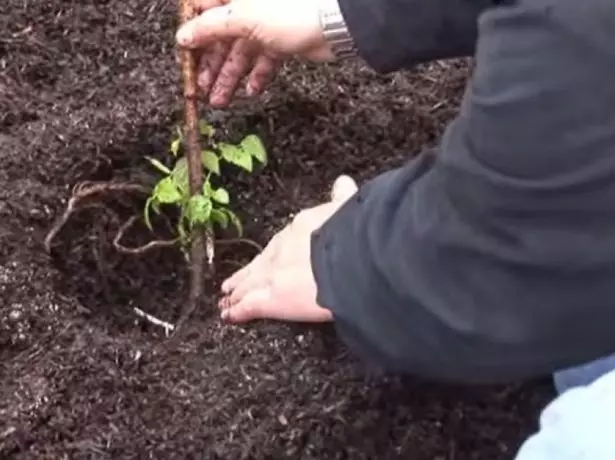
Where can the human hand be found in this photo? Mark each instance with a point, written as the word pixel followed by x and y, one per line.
pixel 241 38
pixel 279 283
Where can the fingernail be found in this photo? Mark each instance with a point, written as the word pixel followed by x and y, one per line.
pixel 250 90
pixel 224 288
pixel 204 81
pixel 225 314
pixel 184 36
pixel 217 101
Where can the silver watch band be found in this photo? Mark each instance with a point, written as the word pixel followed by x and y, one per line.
pixel 335 30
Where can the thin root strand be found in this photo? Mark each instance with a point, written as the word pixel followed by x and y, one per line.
pixel 168 327
pixel 156 244
pixel 249 242
pixel 83 191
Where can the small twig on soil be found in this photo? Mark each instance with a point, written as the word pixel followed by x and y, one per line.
pixel 202 249
pixel 156 244
pixel 152 319
pixel 9 431
pixel 83 191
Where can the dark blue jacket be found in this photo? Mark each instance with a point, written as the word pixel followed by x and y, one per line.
pixel 492 256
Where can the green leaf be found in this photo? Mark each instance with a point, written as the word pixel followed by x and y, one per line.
pixel 220 217
pixel 175 145
pixel 180 175
pixel 199 209
pixel 221 196
pixel 211 161
pixel 236 156
pixel 207 190
pixel 254 146
pixel 167 192
pixel 235 221
pixel 159 166
pixel 206 129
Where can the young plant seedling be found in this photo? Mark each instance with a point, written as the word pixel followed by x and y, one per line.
pixel 206 209
pixel 188 185
pixel 209 207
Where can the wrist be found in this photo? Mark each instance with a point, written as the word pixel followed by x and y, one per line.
pixel 335 31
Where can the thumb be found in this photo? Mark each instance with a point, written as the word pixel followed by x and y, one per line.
pixel 213 25
pixel 343 188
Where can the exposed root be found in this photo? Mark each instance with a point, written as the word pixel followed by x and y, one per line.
pixel 156 244
pixel 88 188
pixel 168 327
pixel 234 263
pixel 210 248
pixel 82 192
pixel 247 241
pixel 82 198
pixel 79 201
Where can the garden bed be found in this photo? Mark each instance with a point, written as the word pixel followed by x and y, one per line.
pixel 87 90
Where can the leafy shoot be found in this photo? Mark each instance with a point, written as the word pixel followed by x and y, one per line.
pixel 212 205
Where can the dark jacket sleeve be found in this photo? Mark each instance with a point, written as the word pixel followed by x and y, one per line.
pixel 394 34
pixel 493 258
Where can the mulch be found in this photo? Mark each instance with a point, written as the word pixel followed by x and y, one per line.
pixel 87 90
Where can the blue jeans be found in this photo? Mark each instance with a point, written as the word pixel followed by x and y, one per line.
pixel 584 374
pixel 579 423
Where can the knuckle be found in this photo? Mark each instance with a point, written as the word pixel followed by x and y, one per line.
pixel 263 72
pixel 222 87
pixel 228 75
pixel 210 60
pixel 236 63
pixel 231 71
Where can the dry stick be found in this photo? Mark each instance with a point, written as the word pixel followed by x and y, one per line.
pixel 201 248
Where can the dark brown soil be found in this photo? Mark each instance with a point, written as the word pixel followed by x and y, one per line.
pixel 87 89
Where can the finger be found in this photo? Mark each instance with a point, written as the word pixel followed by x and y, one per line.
pixel 217 23
pixel 262 74
pixel 287 299
pixel 257 280
pixel 202 5
pixel 343 188
pixel 259 263
pixel 210 64
pixel 236 278
pixel 224 303
pixel 236 66
pixel 256 305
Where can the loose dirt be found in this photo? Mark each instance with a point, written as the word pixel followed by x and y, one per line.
pixel 87 89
